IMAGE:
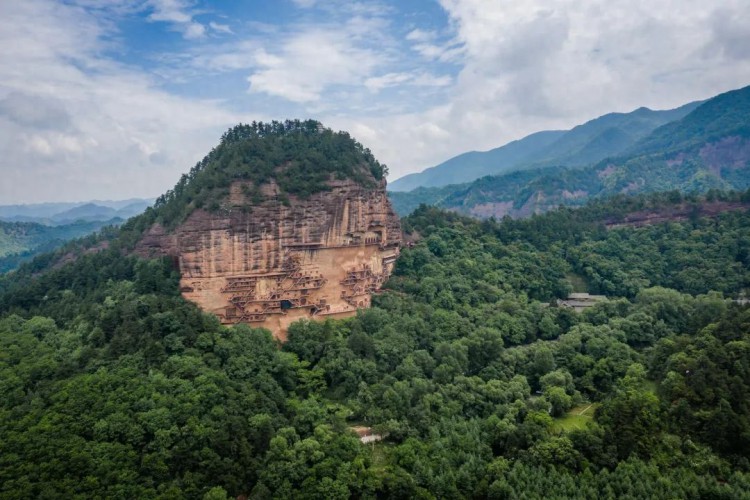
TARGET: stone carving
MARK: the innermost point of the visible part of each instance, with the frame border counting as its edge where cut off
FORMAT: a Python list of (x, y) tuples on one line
[(272, 263)]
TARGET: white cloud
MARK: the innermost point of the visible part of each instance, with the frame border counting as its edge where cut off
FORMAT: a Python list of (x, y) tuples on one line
[(430, 80), (221, 28), (192, 31), (572, 59), (418, 35), (413, 79), (178, 14), (548, 64), (414, 93), (377, 83), (429, 46), (171, 11), (75, 125), (309, 63)]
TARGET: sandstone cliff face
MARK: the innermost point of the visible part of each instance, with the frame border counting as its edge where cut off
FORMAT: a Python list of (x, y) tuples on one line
[(270, 264)]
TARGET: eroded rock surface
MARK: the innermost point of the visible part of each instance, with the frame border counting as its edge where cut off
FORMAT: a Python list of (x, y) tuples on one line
[(271, 263), (676, 213)]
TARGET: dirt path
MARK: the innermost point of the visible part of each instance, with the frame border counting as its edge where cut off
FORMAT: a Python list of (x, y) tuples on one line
[(585, 409)]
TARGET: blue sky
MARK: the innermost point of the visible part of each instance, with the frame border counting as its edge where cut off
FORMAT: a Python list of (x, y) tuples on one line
[(114, 99)]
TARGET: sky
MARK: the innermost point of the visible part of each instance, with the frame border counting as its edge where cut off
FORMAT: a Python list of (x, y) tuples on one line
[(112, 99)]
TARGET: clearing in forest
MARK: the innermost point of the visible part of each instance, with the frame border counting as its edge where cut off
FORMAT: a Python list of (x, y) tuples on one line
[(576, 418)]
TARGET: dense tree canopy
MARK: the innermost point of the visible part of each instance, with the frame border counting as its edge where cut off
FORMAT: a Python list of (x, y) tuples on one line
[(21, 241), (114, 386), (300, 156)]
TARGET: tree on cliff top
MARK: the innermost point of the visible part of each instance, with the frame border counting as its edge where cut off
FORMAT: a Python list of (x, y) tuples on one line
[(300, 156)]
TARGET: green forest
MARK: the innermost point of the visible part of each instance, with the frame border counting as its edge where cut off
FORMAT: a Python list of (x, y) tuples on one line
[(705, 150), (300, 156), (113, 386), (21, 241)]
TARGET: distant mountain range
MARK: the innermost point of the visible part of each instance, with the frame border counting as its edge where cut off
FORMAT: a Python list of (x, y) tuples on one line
[(606, 136), (66, 213), (707, 147), (28, 230)]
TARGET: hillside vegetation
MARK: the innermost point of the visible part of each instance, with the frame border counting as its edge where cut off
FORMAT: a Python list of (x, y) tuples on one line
[(607, 136), (707, 149), (405, 203), (20, 241), (114, 386), (299, 156)]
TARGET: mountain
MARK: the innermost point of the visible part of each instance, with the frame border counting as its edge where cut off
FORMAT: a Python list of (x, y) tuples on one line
[(29, 230), (606, 136), (34, 211), (405, 203), (469, 166), (724, 116), (66, 213), (133, 208), (279, 222), (85, 212), (21, 241), (709, 148), (131, 368)]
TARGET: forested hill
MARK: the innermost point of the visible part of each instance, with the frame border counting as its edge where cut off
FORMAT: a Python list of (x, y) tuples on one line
[(300, 157), (30, 230), (21, 241), (113, 386), (475, 164), (707, 149), (590, 142), (724, 116)]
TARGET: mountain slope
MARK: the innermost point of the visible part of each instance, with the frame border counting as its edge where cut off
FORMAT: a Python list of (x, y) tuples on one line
[(723, 116), (86, 212), (21, 241), (606, 136), (707, 149), (405, 202), (603, 137), (298, 158), (280, 222), (469, 166), (65, 213)]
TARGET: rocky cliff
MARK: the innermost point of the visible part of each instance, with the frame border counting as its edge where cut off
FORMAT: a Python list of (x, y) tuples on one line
[(272, 262)]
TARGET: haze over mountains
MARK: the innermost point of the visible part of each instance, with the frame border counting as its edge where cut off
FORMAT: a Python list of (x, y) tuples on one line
[(608, 135), (705, 147), (65, 213), (28, 230)]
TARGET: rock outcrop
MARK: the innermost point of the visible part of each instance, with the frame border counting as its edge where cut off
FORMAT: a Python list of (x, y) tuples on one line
[(285, 258), (675, 213)]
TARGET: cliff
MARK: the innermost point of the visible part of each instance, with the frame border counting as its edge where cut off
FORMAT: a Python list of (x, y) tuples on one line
[(272, 262), (675, 213)]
